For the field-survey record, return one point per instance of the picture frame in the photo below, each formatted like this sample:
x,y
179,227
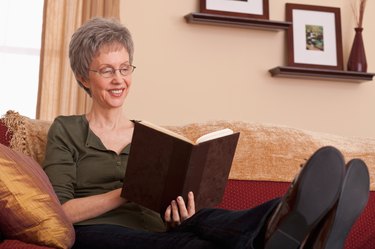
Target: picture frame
x,y
314,39
258,9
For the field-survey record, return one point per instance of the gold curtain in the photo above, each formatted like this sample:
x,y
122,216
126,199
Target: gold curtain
x,y
59,93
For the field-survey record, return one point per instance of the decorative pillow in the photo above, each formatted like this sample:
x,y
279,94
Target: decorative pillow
x,y
29,209
29,136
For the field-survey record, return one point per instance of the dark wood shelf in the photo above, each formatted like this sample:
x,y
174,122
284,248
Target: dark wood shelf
x,y
265,24
337,75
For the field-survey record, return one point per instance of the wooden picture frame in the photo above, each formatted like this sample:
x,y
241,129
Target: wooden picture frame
x,y
314,39
258,9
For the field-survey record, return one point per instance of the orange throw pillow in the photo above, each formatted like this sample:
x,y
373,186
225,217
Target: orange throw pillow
x,y
29,208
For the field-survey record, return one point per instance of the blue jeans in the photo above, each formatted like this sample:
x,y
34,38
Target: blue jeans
x,y
208,228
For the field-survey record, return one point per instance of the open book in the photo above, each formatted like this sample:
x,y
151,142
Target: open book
x,y
201,139
163,165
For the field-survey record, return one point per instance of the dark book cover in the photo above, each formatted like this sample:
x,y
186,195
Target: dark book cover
x,y
162,166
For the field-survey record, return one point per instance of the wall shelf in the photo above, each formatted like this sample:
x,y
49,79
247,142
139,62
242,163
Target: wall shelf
x,y
337,75
281,71
265,24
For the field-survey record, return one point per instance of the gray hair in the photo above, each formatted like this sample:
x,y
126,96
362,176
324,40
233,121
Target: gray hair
x,y
90,38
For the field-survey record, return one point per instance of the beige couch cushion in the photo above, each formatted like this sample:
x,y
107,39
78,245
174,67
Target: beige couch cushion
x,y
275,153
264,152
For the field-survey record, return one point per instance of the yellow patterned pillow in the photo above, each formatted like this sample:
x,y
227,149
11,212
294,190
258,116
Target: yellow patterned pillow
x,y
29,209
29,136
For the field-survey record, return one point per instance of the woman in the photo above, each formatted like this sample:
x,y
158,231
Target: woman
x,y
86,160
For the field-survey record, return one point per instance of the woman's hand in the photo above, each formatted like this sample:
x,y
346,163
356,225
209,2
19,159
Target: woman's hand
x,y
178,211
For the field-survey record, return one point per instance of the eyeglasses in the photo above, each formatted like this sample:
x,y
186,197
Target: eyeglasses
x,y
109,72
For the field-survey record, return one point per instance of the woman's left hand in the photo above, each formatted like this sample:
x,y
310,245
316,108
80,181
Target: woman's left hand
x,y
178,211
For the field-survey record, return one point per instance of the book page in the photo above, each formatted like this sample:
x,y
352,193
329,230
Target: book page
x,y
201,139
213,135
166,131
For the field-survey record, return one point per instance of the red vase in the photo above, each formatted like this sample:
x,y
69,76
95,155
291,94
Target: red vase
x,y
357,58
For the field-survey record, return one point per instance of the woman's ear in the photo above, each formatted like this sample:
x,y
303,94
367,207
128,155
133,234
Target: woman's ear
x,y
83,81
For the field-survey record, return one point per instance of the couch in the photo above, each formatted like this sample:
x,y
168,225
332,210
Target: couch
x,y
266,160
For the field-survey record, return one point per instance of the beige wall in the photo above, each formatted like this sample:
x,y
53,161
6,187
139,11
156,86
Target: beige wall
x,y
195,73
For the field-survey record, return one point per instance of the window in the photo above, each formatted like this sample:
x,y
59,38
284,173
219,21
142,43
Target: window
x,y
20,42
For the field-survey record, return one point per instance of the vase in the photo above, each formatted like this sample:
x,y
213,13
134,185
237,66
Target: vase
x,y
357,58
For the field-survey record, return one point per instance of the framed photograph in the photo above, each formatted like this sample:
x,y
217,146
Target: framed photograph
x,y
314,38
236,8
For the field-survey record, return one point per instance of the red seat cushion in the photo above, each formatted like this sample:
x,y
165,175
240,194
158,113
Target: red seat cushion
x,y
241,194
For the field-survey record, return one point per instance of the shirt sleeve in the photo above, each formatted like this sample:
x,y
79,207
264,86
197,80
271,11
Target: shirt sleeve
x,y
59,163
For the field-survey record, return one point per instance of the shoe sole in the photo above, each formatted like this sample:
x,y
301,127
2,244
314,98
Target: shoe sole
x,y
352,201
318,185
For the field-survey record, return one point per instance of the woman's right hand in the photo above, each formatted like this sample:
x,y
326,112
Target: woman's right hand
x,y
178,211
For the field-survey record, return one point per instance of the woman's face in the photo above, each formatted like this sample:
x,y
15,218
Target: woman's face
x,y
109,92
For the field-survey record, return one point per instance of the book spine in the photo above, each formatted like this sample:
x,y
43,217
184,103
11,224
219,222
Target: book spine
x,y
177,172
195,170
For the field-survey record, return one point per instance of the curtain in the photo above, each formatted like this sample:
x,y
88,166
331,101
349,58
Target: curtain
x,y
59,93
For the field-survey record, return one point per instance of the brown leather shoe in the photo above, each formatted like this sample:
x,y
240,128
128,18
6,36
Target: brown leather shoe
x,y
311,195
334,228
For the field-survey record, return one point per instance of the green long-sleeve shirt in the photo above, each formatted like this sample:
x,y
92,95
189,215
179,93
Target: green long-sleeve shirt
x,y
79,165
